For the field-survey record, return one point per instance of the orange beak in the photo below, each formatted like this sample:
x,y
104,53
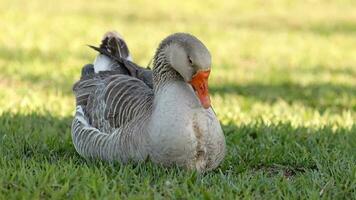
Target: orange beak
x,y
200,85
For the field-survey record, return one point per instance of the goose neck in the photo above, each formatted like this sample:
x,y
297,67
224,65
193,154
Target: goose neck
x,y
163,73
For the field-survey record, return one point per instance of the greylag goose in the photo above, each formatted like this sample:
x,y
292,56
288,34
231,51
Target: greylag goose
x,y
128,113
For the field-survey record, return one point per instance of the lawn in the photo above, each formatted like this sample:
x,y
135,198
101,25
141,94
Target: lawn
x,y
283,85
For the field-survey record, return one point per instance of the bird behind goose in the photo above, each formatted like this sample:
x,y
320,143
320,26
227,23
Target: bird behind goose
x,y
128,113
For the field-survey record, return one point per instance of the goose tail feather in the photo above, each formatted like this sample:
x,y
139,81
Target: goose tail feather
x,y
114,55
113,50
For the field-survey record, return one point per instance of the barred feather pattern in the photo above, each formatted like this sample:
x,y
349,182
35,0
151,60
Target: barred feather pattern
x,y
106,126
162,71
123,144
118,100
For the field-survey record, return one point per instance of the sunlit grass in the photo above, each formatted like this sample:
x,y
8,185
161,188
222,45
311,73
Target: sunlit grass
x,y
283,85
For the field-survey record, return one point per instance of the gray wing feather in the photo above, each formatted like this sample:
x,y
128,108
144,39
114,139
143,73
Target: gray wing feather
x,y
108,122
112,106
112,100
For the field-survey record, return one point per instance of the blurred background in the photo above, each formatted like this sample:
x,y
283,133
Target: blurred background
x,y
276,61
283,85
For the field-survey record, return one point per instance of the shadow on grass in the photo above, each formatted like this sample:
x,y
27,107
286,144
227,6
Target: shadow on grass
x,y
282,149
35,136
318,96
319,69
252,147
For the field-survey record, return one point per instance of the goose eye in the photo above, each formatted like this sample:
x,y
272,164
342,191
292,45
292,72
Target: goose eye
x,y
190,60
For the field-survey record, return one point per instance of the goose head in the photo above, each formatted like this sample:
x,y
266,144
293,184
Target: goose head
x,y
189,57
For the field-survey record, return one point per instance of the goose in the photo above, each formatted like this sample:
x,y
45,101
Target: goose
x,y
127,113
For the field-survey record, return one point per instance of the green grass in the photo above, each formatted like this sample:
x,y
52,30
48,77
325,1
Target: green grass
x,y
283,85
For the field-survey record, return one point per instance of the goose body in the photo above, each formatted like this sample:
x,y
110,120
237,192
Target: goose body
x,y
195,137
128,113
